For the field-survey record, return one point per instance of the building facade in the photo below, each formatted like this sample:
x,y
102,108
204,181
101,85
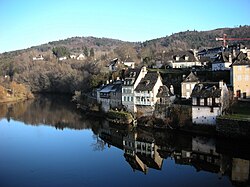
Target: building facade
x,y
240,76
188,84
209,100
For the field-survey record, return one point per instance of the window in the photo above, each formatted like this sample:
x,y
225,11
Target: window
x,y
132,99
187,86
124,98
239,77
205,101
246,77
212,109
198,101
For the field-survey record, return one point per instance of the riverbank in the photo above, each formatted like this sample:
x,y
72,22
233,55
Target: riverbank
x,y
11,91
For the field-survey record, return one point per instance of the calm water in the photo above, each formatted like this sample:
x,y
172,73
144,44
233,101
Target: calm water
x,y
47,142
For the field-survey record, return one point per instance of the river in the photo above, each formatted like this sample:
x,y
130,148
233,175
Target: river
x,y
47,142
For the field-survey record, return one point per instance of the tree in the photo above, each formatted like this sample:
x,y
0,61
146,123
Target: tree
x,y
85,51
91,52
11,71
60,51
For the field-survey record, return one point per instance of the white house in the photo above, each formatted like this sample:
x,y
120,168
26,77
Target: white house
x,y
62,58
188,84
80,57
73,56
209,100
132,79
40,57
146,91
184,60
129,62
222,62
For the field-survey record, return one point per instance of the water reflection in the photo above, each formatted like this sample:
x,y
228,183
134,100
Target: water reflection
x,y
142,149
145,149
53,110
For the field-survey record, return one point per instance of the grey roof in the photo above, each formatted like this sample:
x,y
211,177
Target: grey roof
x,y
241,59
164,92
191,78
206,90
131,75
222,57
111,88
148,82
182,55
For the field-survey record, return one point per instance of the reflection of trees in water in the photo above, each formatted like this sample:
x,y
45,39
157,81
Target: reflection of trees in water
x,y
55,111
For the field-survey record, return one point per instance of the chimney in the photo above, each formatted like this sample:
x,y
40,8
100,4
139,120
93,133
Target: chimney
x,y
172,89
230,58
221,83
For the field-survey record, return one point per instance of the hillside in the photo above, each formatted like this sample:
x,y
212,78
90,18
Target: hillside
x,y
198,40
52,75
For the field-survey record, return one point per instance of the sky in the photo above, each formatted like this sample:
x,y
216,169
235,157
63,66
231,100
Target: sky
x,y
26,23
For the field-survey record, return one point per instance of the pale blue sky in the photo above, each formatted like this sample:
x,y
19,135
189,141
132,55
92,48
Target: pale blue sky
x,y
26,23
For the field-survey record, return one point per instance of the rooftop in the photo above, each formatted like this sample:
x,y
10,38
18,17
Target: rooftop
x,y
191,78
206,90
148,82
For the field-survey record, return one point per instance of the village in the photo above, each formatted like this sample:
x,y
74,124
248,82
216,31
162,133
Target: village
x,y
206,83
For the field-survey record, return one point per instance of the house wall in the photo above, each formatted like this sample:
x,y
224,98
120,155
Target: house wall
x,y
205,115
221,66
186,89
185,64
128,97
148,98
241,80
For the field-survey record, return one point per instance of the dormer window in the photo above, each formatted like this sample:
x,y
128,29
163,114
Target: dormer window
x,y
186,57
177,58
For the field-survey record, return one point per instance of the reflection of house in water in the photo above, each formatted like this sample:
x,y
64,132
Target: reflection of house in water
x,y
204,155
144,149
141,151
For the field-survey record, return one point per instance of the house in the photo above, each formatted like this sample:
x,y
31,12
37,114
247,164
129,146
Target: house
x,y
165,96
184,59
80,57
222,62
109,96
62,58
209,100
211,53
240,76
141,151
128,62
39,57
147,89
131,80
73,56
188,84
113,65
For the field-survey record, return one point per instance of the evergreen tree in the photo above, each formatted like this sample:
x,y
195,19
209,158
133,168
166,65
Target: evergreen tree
x,y
85,51
91,52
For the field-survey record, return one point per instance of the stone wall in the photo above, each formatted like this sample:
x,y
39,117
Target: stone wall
x,y
233,128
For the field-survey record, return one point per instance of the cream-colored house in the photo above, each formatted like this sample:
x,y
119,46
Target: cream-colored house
x,y
240,76
188,84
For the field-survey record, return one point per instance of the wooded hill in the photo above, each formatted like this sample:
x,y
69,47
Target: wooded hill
x,y
52,75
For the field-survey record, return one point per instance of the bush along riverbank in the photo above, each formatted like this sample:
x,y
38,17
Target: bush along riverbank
x,y
11,91
119,117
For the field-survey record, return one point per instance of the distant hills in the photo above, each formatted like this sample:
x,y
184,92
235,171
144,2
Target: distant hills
x,y
178,41
52,75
